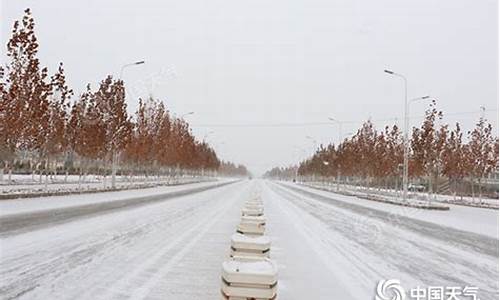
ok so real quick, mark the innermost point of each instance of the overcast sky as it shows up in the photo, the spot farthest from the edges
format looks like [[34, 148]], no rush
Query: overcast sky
[[263, 75]]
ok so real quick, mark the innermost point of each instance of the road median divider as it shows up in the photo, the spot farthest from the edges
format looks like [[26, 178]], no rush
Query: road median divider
[[249, 273]]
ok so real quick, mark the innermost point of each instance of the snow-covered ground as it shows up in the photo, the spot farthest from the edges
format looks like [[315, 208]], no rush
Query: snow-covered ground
[[325, 248], [25, 185], [359, 245], [24, 180], [27, 179], [394, 195], [410, 202], [477, 220], [167, 250], [36, 204]]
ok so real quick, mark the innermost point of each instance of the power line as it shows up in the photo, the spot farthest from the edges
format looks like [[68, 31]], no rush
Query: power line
[[309, 124]]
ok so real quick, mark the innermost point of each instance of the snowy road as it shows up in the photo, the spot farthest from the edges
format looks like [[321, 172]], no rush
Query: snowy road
[[166, 250], [358, 246], [325, 249], [27, 220]]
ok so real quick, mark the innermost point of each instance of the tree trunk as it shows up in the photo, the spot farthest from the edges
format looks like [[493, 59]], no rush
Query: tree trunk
[[472, 187], [113, 170], [47, 170], [454, 189], [430, 189], [461, 190], [80, 179], [46, 180], [85, 171], [396, 187], [480, 190], [104, 177]]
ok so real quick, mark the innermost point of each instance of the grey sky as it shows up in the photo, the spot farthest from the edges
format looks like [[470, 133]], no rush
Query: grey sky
[[277, 62]]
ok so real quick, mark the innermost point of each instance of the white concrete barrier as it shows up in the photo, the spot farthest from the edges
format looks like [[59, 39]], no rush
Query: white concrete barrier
[[250, 227], [242, 280], [252, 211], [255, 201], [255, 219], [256, 198], [254, 206], [250, 274], [247, 247]]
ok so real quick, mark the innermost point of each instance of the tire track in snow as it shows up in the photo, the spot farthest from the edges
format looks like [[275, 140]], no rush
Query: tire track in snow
[[38, 267], [407, 254], [144, 282], [19, 223], [348, 267], [143, 291], [54, 265], [468, 241]]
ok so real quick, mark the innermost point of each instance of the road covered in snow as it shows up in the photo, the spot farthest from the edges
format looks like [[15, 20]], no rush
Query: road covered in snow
[[327, 246], [360, 243], [154, 251], [20, 215]]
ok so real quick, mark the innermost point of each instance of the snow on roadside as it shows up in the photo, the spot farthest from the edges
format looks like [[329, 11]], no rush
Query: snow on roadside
[[27, 190], [27, 205], [418, 197], [383, 198], [477, 220]]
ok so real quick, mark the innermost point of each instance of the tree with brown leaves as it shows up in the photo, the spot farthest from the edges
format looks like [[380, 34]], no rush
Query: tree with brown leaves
[[482, 151], [428, 143]]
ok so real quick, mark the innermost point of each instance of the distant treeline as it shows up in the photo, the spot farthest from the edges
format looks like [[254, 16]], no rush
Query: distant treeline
[[375, 158]]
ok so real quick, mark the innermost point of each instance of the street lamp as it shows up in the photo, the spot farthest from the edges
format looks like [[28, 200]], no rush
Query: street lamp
[[419, 98], [405, 135], [129, 65], [114, 158], [187, 114]]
